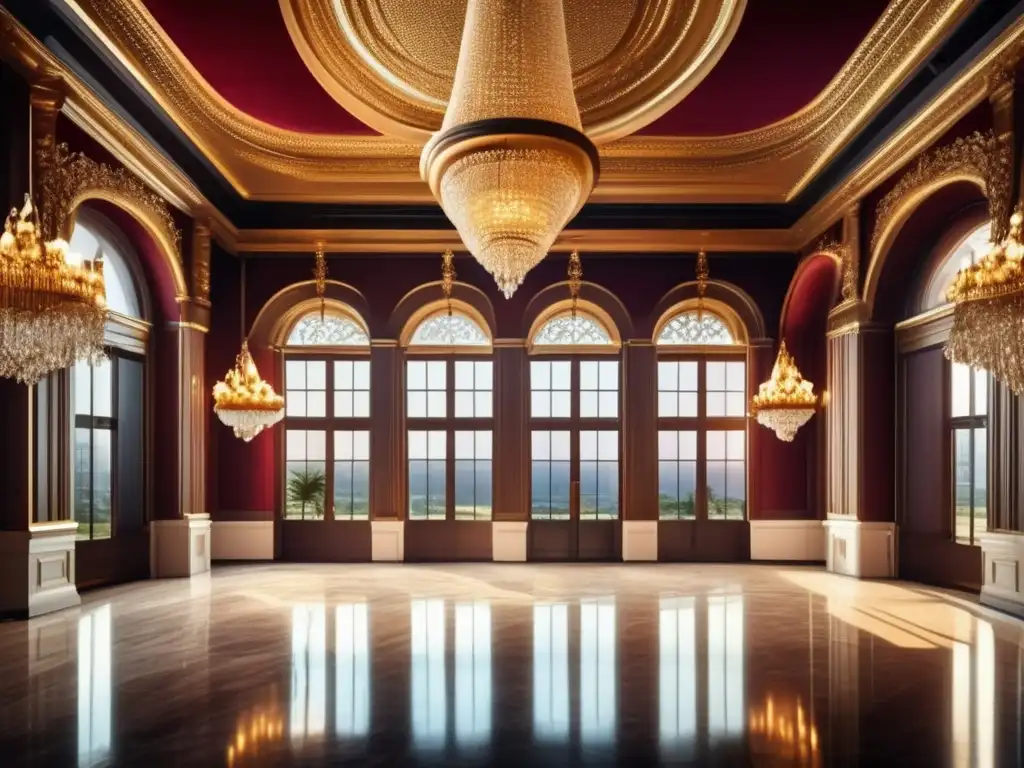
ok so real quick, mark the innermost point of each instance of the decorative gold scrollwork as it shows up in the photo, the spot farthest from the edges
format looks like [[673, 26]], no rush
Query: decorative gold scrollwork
[[980, 155], [70, 178]]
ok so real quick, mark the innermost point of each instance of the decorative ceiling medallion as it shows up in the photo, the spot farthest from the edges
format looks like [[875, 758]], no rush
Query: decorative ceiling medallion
[[392, 62]]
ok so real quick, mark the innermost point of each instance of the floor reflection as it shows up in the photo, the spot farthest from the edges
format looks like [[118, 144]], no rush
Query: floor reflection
[[528, 666], [94, 686]]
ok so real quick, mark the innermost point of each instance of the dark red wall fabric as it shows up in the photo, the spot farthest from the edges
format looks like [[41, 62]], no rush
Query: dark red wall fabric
[[245, 471]]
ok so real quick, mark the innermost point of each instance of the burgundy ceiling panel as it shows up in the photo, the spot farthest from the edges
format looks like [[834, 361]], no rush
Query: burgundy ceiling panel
[[783, 55], [243, 49]]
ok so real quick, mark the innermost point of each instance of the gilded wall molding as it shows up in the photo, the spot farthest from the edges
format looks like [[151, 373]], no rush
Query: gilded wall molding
[[632, 60], [69, 179], [769, 164], [969, 89], [980, 157]]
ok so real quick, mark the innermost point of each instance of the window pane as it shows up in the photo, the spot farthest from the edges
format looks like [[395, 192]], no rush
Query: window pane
[[735, 377], [316, 374], [735, 441], [463, 405], [716, 404], [316, 404], [482, 405], [960, 390], [550, 478], [343, 405], [417, 405], [716, 445], [102, 394], [963, 485], [688, 405], [668, 377], [561, 407], [436, 405], [351, 475], [694, 327], [83, 480], [608, 407], [83, 388], [677, 479], [609, 375], [980, 483], [436, 375], [305, 474], [588, 374], [343, 374], [102, 482], [588, 446], [416, 374], [295, 403], [726, 472], [295, 374], [668, 404], [427, 484], [588, 405], [561, 375], [473, 475], [540, 405], [463, 374], [540, 375], [361, 405], [980, 392], [361, 375], [715, 377]]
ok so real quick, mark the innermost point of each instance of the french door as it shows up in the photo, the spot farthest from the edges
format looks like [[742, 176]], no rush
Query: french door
[[574, 445]]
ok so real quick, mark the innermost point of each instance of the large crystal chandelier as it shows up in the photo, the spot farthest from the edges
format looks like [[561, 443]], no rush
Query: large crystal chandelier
[[785, 402], [511, 165], [243, 400], [52, 303], [988, 319]]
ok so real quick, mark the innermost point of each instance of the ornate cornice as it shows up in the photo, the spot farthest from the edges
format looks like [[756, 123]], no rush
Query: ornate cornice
[[979, 156], [770, 164], [964, 93]]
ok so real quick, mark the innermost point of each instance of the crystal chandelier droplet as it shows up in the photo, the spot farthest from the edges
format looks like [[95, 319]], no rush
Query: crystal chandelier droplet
[[511, 165]]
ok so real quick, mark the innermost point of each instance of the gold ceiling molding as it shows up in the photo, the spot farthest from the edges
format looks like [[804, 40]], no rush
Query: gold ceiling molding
[[967, 90], [391, 63], [767, 165], [70, 179], [87, 111], [361, 241]]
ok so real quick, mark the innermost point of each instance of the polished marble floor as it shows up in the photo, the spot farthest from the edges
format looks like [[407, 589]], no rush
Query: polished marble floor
[[514, 665]]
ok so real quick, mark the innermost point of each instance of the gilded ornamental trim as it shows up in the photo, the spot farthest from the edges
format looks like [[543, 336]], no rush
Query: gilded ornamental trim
[[769, 164]]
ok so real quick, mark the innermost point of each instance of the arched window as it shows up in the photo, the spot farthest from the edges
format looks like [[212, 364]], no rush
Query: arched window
[[702, 406], [327, 329], [970, 249], [327, 415], [574, 421], [449, 409], [695, 328], [109, 464]]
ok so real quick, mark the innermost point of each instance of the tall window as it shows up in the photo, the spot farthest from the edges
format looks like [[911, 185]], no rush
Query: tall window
[[109, 448], [450, 410], [702, 403], [327, 417], [574, 415], [969, 426]]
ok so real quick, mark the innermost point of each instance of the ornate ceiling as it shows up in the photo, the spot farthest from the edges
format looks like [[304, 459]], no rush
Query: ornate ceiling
[[706, 101], [757, 129]]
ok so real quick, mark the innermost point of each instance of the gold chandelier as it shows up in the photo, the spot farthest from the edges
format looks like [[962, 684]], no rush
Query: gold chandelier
[[988, 317], [52, 309], [243, 400], [511, 165], [785, 402]]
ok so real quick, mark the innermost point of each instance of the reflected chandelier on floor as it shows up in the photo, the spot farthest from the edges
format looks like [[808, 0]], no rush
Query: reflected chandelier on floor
[[53, 307], [786, 401]]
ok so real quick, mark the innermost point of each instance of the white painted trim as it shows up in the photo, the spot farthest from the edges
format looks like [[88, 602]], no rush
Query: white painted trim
[[790, 540], [387, 540], [1003, 571], [37, 570], [242, 540], [508, 542], [179, 548], [864, 550], [639, 540]]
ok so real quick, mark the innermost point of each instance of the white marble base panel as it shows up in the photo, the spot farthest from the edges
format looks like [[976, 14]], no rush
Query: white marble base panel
[[789, 540], [242, 540], [639, 541], [37, 569], [179, 548], [387, 541], [508, 542], [1003, 571], [864, 550]]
